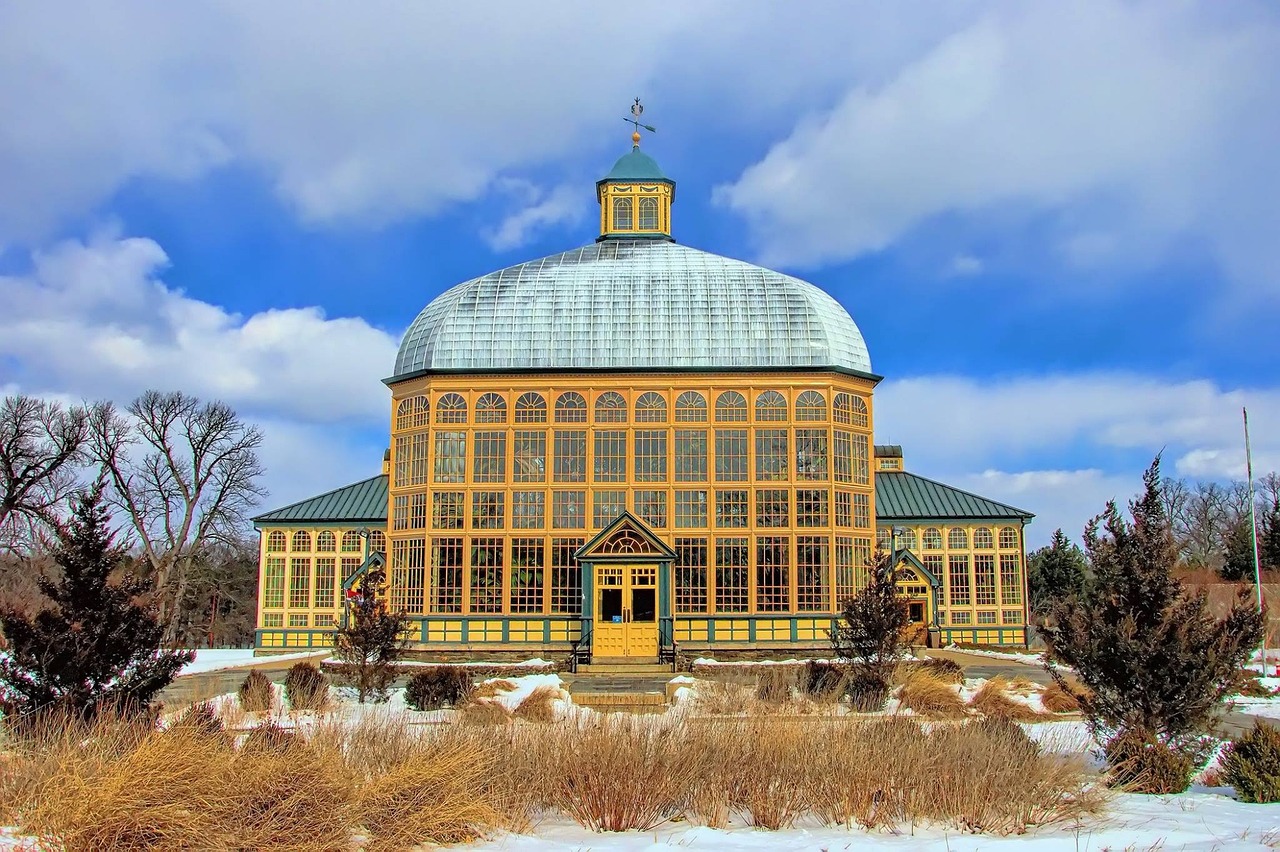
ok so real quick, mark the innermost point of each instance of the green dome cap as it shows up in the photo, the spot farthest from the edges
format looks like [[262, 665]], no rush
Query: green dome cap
[[636, 165]]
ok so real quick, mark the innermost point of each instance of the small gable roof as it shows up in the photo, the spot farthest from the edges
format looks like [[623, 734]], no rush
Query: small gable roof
[[907, 496], [629, 526], [360, 502]]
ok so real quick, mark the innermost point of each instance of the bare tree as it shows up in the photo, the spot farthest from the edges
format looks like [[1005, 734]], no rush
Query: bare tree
[[41, 445], [185, 473]]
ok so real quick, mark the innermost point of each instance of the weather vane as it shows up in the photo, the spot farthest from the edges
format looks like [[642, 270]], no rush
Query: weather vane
[[637, 109]]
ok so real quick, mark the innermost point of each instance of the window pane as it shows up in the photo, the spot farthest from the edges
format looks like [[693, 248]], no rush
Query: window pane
[[813, 565], [731, 407], [607, 505], [451, 456], [958, 568], [651, 507], [811, 405], [528, 510], [570, 455], [811, 454], [651, 408], [691, 407], [488, 510], [611, 456], [691, 455], [731, 509], [531, 456], [731, 455], [773, 574], [691, 575], [447, 509], [489, 463], [772, 507], [771, 454], [566, 576], [568, 510], [491, 408], [651, 455], [531, 408], [446, 575], [691, 509], [486, 575], [527, 574], [733, 566], [611, 408], [571, 407], [811, 507]]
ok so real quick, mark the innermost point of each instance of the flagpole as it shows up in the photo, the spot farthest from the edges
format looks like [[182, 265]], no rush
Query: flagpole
[[1253, 534]]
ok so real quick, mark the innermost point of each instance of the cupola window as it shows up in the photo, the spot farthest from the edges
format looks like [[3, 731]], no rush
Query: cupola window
[[622, 214], [648, 214]]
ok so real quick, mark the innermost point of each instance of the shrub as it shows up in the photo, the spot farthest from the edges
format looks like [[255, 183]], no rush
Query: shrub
[[370, 644], [775, 683], [306, 688], [202, 719], [491, 688], [1251, 764], [823, 681], [928, 696], [943, 669], [256, 693], [1250, 687], [866, 691], [539, 705], [437, 687], [1009, 733], [1142, 763]]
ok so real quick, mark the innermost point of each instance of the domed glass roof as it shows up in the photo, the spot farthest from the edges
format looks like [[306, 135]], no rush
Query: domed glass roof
[[632, 305]]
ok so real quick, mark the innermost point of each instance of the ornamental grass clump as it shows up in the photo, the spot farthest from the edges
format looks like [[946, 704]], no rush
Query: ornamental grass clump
[[256, 693], [924, 694], [306, 688], [993, 701], [1251, 764], [437, 687]]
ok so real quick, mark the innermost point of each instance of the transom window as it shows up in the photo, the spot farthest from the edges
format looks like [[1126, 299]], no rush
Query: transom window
[[933, 539], [326, 542], [491, 408], [531, 408], [571, 408], [691, 407], [351, 542], [957, 539], [611, 408], [771, 405], [301, 541], [811, 405], [731, 407], [275, 542], [452, 408], [651, 408], [413, 412], [1008, 537], [982, 539], [648, 214], [622, 214]]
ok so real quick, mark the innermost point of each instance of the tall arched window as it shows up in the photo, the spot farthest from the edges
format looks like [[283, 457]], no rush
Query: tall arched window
[[531, 408], [491, 408], [811, 405], [651, 408], [276, 542], [842, 408], [622, 214], [771, 405], [859, 412], [731, 407], [326, 542], [571, 408], [982, 539], [691, 407], [611, 408], [301, 541], [351, 542], [377, 541], [648, 214], [933, 539], [1008, 538], [451, 408], [413, 412], [957, 539]]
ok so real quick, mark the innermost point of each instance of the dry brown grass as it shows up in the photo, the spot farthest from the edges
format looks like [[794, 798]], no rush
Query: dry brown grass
[[992, 700], [927, 695], [723, 696], [480, 711], [491, 688], [1055, 699], [539, 705]]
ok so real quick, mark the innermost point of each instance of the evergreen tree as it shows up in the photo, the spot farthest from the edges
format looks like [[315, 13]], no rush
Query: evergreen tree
[[94, 646], [1055, 572], [1237, 560], [1156, 663], [370, 643], [1269, 536], [869, 634]]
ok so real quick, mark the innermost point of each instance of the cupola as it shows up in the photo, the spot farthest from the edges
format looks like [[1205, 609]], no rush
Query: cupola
[[635, 197]]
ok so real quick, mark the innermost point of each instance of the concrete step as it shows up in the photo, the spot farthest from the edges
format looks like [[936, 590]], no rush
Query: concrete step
[[622, 702], [655, 669]]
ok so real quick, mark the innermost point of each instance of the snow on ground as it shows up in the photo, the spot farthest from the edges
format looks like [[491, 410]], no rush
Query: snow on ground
[[1197, 822], [216, 659], [1027, 659]]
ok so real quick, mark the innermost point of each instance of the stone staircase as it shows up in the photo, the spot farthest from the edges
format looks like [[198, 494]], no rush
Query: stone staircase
[[622, 686]]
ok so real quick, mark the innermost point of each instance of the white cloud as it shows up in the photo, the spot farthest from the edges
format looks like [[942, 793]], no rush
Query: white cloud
[[94, 320], [562, 205], [1060, 499], [1154, 119]]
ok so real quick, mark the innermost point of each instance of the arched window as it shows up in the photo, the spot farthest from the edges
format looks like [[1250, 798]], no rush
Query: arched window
[[957, 539], [691, 407], [326, 542], [933, 539], [491, 408], [413, 412], [622, 214], [811, 405], [907, 539], [651, 408], [771, 405], [571, 408], [351, 542], [276, 542], [648, 214], [531, 408], [451, 408], [1008, 538], [982, 539], [611, 408], [301, 541], [842, 408], [377, 541], [731, 407], [859, 412]]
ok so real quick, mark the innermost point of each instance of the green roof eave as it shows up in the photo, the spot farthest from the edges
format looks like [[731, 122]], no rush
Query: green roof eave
[[363, 502], [648, 371], [902, 496]]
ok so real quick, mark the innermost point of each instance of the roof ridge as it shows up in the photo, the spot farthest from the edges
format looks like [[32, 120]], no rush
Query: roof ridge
[[963, 491], [321, 496]]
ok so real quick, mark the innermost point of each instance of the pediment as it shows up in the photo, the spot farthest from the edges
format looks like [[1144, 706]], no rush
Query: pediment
[[626, 538]]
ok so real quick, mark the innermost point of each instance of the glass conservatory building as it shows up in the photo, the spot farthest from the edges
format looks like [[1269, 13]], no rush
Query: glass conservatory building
[[635, 449]]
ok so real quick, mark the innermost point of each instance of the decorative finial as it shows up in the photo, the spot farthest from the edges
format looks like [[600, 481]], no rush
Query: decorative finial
[[636, 110]]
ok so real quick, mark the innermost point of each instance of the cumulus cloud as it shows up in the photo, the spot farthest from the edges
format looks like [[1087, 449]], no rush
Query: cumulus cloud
[[541, 209], [94, 319], [1126, 125]]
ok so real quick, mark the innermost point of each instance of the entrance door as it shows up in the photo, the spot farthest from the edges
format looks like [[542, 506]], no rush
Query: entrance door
[[626, 622]]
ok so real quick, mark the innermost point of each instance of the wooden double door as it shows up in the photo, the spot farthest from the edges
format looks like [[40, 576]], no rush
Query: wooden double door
[[626, 611]]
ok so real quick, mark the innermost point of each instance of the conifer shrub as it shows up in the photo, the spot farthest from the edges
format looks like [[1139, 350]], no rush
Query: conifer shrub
[[1141, 762], [1251, 764], [437, 687], [306, 688], [371, 641], [868, 637], [256, 693]]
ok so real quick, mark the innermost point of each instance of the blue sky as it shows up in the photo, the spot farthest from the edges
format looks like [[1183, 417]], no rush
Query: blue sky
[[1055, 225]]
